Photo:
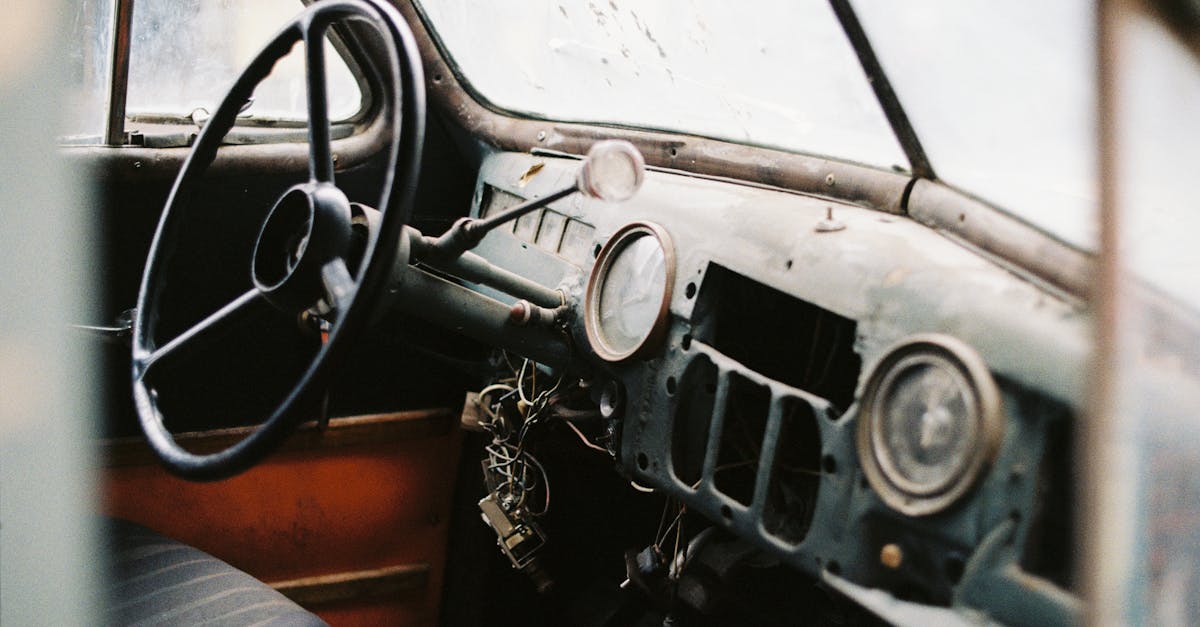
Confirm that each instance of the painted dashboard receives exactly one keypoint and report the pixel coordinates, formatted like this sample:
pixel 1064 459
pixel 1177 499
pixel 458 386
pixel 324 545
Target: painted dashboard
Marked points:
pixel 784 319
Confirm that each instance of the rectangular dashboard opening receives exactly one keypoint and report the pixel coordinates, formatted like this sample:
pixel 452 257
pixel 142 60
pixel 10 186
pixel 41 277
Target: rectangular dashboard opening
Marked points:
pixel 795 475
pixel 746 411
pixel 778 336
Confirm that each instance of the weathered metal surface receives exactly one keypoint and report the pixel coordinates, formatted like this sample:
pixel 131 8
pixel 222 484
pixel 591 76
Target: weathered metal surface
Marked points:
pixel 114 128
pixel 138 163
pixel 891 275
pixel 1003 235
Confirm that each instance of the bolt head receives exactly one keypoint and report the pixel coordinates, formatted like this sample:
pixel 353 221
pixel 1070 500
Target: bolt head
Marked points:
pixel 891 556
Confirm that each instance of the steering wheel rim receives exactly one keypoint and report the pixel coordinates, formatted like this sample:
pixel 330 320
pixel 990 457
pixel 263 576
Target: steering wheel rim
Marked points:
pixel 354 297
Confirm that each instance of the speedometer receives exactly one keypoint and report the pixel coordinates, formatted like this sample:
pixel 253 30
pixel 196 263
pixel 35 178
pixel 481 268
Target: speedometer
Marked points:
pixel 629 292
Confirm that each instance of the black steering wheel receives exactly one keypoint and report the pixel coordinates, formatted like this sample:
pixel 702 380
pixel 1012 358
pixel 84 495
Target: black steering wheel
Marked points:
pixel 304 252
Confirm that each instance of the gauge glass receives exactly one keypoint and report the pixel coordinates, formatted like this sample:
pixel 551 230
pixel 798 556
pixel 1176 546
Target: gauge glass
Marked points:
pixel 612 172
pixel 632 294
pixel 928 426
pixel 931 424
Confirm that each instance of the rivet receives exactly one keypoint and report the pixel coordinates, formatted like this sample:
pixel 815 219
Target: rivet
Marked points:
pixel 891 556
pixel 541 136
pixel 830 180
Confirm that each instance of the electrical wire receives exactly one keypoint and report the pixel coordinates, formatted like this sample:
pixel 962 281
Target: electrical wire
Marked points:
pixel 588 443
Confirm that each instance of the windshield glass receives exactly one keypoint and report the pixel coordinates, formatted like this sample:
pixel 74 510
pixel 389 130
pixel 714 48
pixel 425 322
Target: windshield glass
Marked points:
pixel 781 75
pixel 1002 96
pixel 1010 117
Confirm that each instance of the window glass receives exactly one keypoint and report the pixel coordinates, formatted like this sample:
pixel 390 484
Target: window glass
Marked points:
pixel 1002 96
pixel 185 54
pixel 774 73
pixel 89 50
pixel 1160 134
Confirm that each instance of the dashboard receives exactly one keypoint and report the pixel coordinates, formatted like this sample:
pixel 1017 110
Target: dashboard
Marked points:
pixel 765 342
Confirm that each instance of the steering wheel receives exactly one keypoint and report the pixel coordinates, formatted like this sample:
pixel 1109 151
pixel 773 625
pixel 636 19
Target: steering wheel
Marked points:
pixel 303 254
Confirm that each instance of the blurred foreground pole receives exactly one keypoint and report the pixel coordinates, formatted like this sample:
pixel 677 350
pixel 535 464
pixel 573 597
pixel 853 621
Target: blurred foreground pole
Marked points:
pixel 47 413
pixel 1139 463
pixel 1105 472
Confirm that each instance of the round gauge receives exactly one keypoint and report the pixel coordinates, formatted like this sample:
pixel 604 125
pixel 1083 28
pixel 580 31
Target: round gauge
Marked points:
pixel 930 423
pixel 629 292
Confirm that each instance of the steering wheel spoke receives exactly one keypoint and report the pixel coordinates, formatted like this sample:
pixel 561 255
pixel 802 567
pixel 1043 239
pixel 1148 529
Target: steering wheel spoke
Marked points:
pixel 299 255
pixel 203 332
pixel 320 156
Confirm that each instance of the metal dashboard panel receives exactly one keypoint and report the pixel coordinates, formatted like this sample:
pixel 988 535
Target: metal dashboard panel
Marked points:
pixel 891 277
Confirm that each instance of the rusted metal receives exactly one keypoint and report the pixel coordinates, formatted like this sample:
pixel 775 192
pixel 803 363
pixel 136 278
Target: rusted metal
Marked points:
pixel 138 163
pixel 1003 235
pixel 114 129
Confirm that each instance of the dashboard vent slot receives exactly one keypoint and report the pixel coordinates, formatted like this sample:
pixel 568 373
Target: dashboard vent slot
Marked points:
pixel 747 445
pixel 778 336
pixel 795 475
pixel 693 416
pixel 742 438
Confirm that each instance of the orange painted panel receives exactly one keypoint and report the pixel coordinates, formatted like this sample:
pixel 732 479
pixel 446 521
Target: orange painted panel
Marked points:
pixel 406 611
pixel 303 514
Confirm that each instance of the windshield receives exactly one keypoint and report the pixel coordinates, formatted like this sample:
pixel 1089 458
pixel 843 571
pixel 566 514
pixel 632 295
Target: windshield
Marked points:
pixel 782 75
pixel 1010 117
pixel 1002 96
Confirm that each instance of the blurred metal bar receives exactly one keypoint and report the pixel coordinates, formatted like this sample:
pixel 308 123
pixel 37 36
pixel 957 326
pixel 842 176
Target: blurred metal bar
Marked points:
pixel 114 130
pixel 1101 535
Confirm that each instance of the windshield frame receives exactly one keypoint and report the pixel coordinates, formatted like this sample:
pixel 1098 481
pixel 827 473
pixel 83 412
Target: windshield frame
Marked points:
pixel 885 99
pixel 1023 248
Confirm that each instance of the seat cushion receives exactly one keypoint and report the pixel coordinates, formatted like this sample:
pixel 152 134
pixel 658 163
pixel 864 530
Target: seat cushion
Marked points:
pixel 157 580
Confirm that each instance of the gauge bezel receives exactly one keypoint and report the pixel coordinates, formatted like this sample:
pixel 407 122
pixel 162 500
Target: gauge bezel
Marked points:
pixel 969 368
pixel 616 244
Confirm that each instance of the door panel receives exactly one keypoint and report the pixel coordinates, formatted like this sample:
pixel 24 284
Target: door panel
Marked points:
pixel 350 521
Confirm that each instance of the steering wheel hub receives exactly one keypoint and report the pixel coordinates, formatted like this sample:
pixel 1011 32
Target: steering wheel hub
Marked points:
pixel 309 226
pixel 307 251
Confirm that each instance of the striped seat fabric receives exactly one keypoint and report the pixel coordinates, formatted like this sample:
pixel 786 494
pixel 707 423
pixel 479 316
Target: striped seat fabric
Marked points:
pixel 159 581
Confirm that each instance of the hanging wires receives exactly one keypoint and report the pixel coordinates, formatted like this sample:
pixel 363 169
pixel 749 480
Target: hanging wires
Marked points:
pixel 511 470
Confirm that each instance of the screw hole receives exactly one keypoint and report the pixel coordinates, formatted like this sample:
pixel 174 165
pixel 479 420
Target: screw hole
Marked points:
pixel 686 342
pixel 671 385
pixel 643 462
pixel 833 567
pixel 829 464
pixel 673 152
pixel 726 512
pixel 437 78
pixel 596 250
pixel 962 217
pixel 788 264
pixel 690 290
